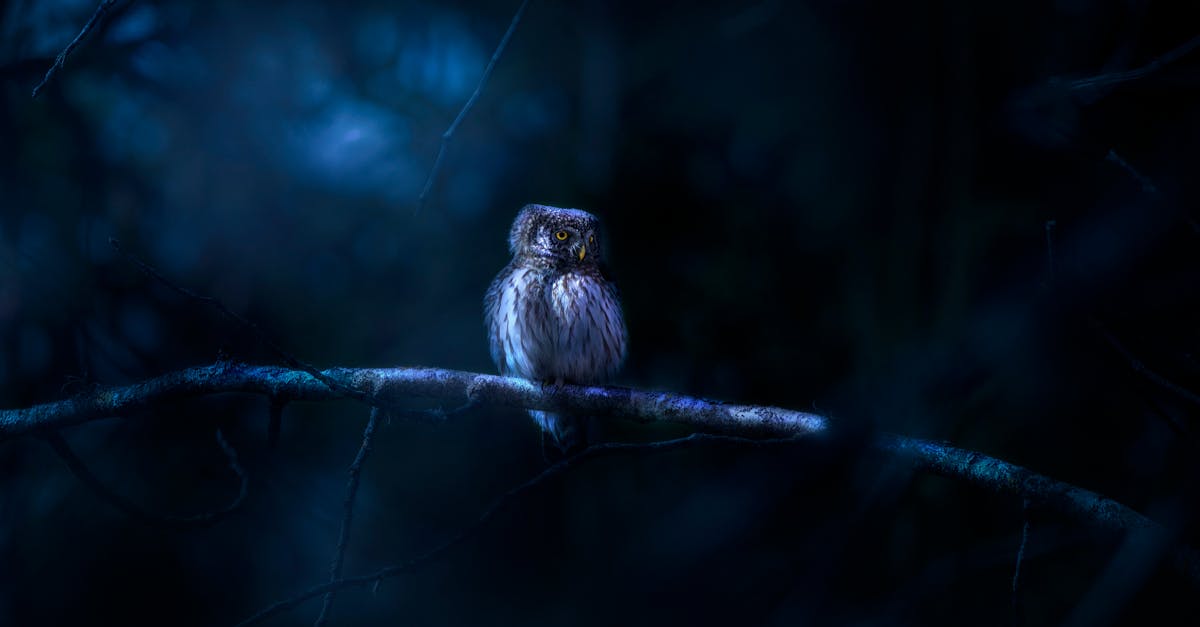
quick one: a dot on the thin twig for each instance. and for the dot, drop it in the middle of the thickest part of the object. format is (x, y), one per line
(436, 414)
(1016, 579)
(1177, 427)
(1141, 368)
(97, 18)
(215, 303)
(1148, 186)
(505, 500)
(389, 385)
(339, 556)
(204, 519)
(1113, 78)
(449, 134)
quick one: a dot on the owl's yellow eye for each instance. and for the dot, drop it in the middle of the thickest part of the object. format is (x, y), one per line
(591, 239)
(561, 235)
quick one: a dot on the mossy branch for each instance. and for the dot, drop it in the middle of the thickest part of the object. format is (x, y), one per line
(392, 387)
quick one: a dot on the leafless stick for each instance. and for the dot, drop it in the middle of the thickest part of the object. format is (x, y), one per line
(501, 503)
(449, 134)
(388, 386)
(97, 18)
(339, 556)
(1141, 368)
(84, 474)
(1037, 490)
(275, 413)
(1016, 578)
(1104, 80)
(215, 303)
(1148, 186)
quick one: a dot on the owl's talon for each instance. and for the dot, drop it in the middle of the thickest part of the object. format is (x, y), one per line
(552, 387)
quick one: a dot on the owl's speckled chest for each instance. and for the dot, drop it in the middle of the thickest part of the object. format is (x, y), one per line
(549, 325)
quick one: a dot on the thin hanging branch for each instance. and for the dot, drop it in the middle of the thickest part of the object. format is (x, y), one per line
(391, 387)
(97, 19)
(1037, 490)
(153, 519)
(1140, 367)
(947, 461)
(449, 134)
(500, 504)
(339, 555)
(1156, 64)
(1016, 578)
(215, 303)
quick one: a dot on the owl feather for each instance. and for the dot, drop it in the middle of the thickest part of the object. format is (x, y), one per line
(552, 315)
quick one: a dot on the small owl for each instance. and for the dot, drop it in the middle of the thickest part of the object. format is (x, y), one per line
(552, 316)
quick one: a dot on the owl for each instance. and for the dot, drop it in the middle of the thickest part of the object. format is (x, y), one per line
(552, 316)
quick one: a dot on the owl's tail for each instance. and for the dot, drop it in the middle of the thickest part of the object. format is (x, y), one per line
(568, 433)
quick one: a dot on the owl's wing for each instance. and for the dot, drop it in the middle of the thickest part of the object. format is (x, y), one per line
(491, 312)
(618, 331)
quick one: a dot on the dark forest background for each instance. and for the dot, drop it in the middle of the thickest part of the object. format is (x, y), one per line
(912, 217)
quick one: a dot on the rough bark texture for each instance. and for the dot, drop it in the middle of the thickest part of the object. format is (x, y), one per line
(388, 387)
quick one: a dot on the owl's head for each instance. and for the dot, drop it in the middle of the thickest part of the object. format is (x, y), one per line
(564, 237)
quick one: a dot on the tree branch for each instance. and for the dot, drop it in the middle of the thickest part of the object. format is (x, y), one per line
(1038, 490)
(1016, 578)
(506, 499)
(92, 23)
(339, 555)
(215, 303)
(387, 387)
(449, 134)
(1156, 64)
(1140, 367)
(204, 519)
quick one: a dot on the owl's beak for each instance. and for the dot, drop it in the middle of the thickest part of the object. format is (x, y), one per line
(582, 252)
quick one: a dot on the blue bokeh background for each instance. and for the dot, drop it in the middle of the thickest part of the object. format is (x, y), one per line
(903, 215)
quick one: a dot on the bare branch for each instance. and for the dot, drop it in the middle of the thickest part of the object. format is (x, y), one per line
(339, 556)
(501, 503)
(1114, 78)
(1148, 186)
(84, 474)
(1016, 578)
(1140, 367)
(96, 20)
(215, 303)
(1001, 476)
(388, 387)
(449, 134)
(940, 459)
(1038, 490)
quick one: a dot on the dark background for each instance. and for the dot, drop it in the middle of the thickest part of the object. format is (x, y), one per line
(904, 215)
